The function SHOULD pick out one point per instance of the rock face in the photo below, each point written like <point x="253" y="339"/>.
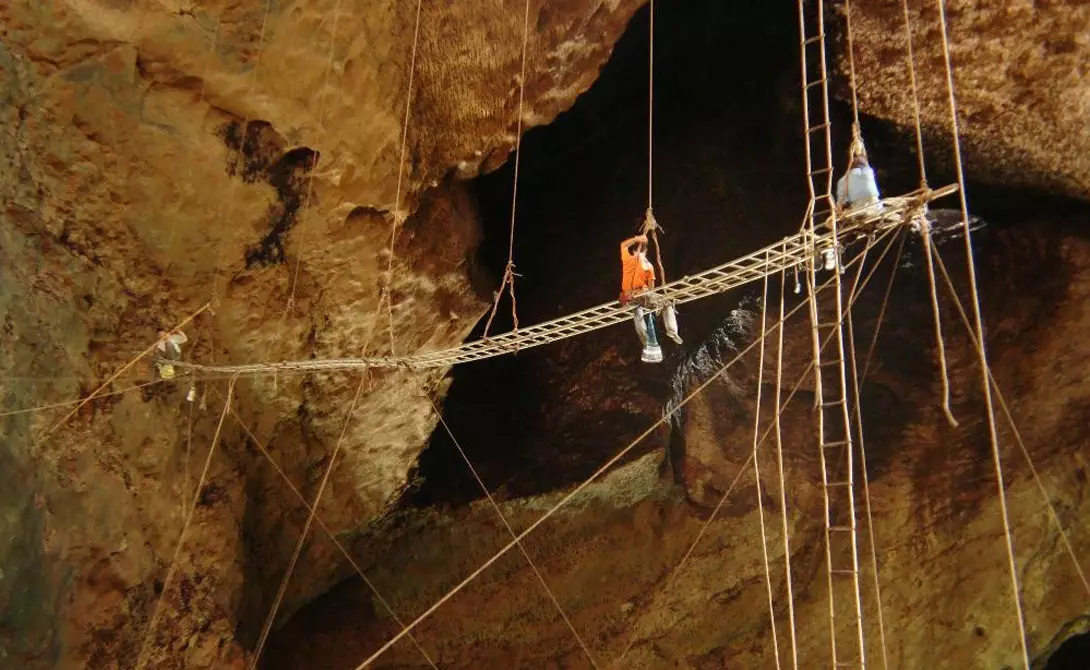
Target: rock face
<point x="156" y="157"/>
<point x="1020" y="77"/>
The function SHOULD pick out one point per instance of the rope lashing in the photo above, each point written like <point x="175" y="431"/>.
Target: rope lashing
<point x="651" y="228"/>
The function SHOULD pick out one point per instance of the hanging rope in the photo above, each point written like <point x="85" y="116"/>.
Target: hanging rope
<point x="289" y="308"/>
<point x="511" y="532"/>
<point x="399" y="214"/>
<point x="1017" y="434"/>
<point x="306" y="530"/>
<point x="651" y="111"/>
<point x="915" y="94"/>
<point x="141" y="659"/>
<point x="120" y="371"/>
<point x="715" y="512"/>
<point x="981" y="349"/>
<point x="757" y="470"/>
<point x="858" y="416"/>
<point x="329" y="533"/>
<point x="783" y="481"/>
<point x="509" y="273"/>
<point x="851" y="63"/>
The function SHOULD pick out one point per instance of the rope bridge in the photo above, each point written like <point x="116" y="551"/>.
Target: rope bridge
<point x="788" y="253"/>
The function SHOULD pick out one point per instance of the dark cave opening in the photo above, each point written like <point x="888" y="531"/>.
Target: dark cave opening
<point x="729" y="178"/>
<point x="1073" y="654"/>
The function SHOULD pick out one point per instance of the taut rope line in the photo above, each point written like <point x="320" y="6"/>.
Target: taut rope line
<point x="915" y="93"/>
<point x="981" y="350"/>
<point x="858" y="415"/>
<point x="511" y="532"/>
<point x="290" y="306"/>
<point x="783" y="482"/>
<point x="509" y="271"/>
<point x="329" y="533"/>
<point x="563" y="501"/>
<point x="141" y="660"/>
<point x="757" y="470"/>
<point x="1017" y="434"/>
<point x="120" y="371"/>
<point x="306" y="529"/>
<point x="399" y="214"/>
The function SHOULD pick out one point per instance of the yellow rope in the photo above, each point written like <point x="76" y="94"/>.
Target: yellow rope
<point x="1017" y="434"/>
<point x="306" y="530"/>
<point x="715" y="512"/>
<point x="757" y="471"/>
<point x="511" y="532"/>
<point x="290" y="306"/>
<point x="399" y="215"/>
<point x="162" y="338"/>
<point x="509" y="273"/>
<point x="857" y="387"/>
<point x="981" y="350"/>
<point x="915" y="93"/>
<point x="142" y="657"/>
<point x="329" y="533"/>
<point x="651" y="110"/>
<point x="783" y="483"/>
<point x="851" y="62"/>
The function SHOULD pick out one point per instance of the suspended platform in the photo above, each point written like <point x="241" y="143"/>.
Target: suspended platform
<point x="790" y="252"/>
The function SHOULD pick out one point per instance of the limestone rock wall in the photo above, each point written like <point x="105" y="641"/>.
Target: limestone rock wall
<point x="158" y="156"/>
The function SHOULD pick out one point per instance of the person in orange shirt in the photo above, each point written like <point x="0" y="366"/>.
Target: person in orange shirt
<point x="638" y="276"/>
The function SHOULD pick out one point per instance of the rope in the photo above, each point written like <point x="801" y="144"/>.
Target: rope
<point x="757" y="470"/>
<point x="780" y="325"/>
<point x="511" y="532"/>
<point x="866" y="480"/>
<point x="915" y="94"/>
<point x="290" y="306"/>
<point x="925" y="235"/>
<point x="851" y="63"/>
<point x="142" y="658"/>
<point x="121" y="371"/>
<point x="881" y="314"/>
<point x="992" y="433"/>
<point x="566" y="499"/>
<point x="67" y="403"/>
<point x="783" y="483"/>
<point x="200" y="101"/>
<point x="1017" y="434"/>
<point x="399" y="214"/>
<point x="329" y="533"/>
<point x="509" y="273"/>
<point x="651" y="111"/>
<point x="241" y="142"/>
<point x="306" y="530"/>
<point x="733" y="274"/>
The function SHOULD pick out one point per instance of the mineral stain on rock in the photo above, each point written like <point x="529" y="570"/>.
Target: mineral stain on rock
<point x="256" y="154"/>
